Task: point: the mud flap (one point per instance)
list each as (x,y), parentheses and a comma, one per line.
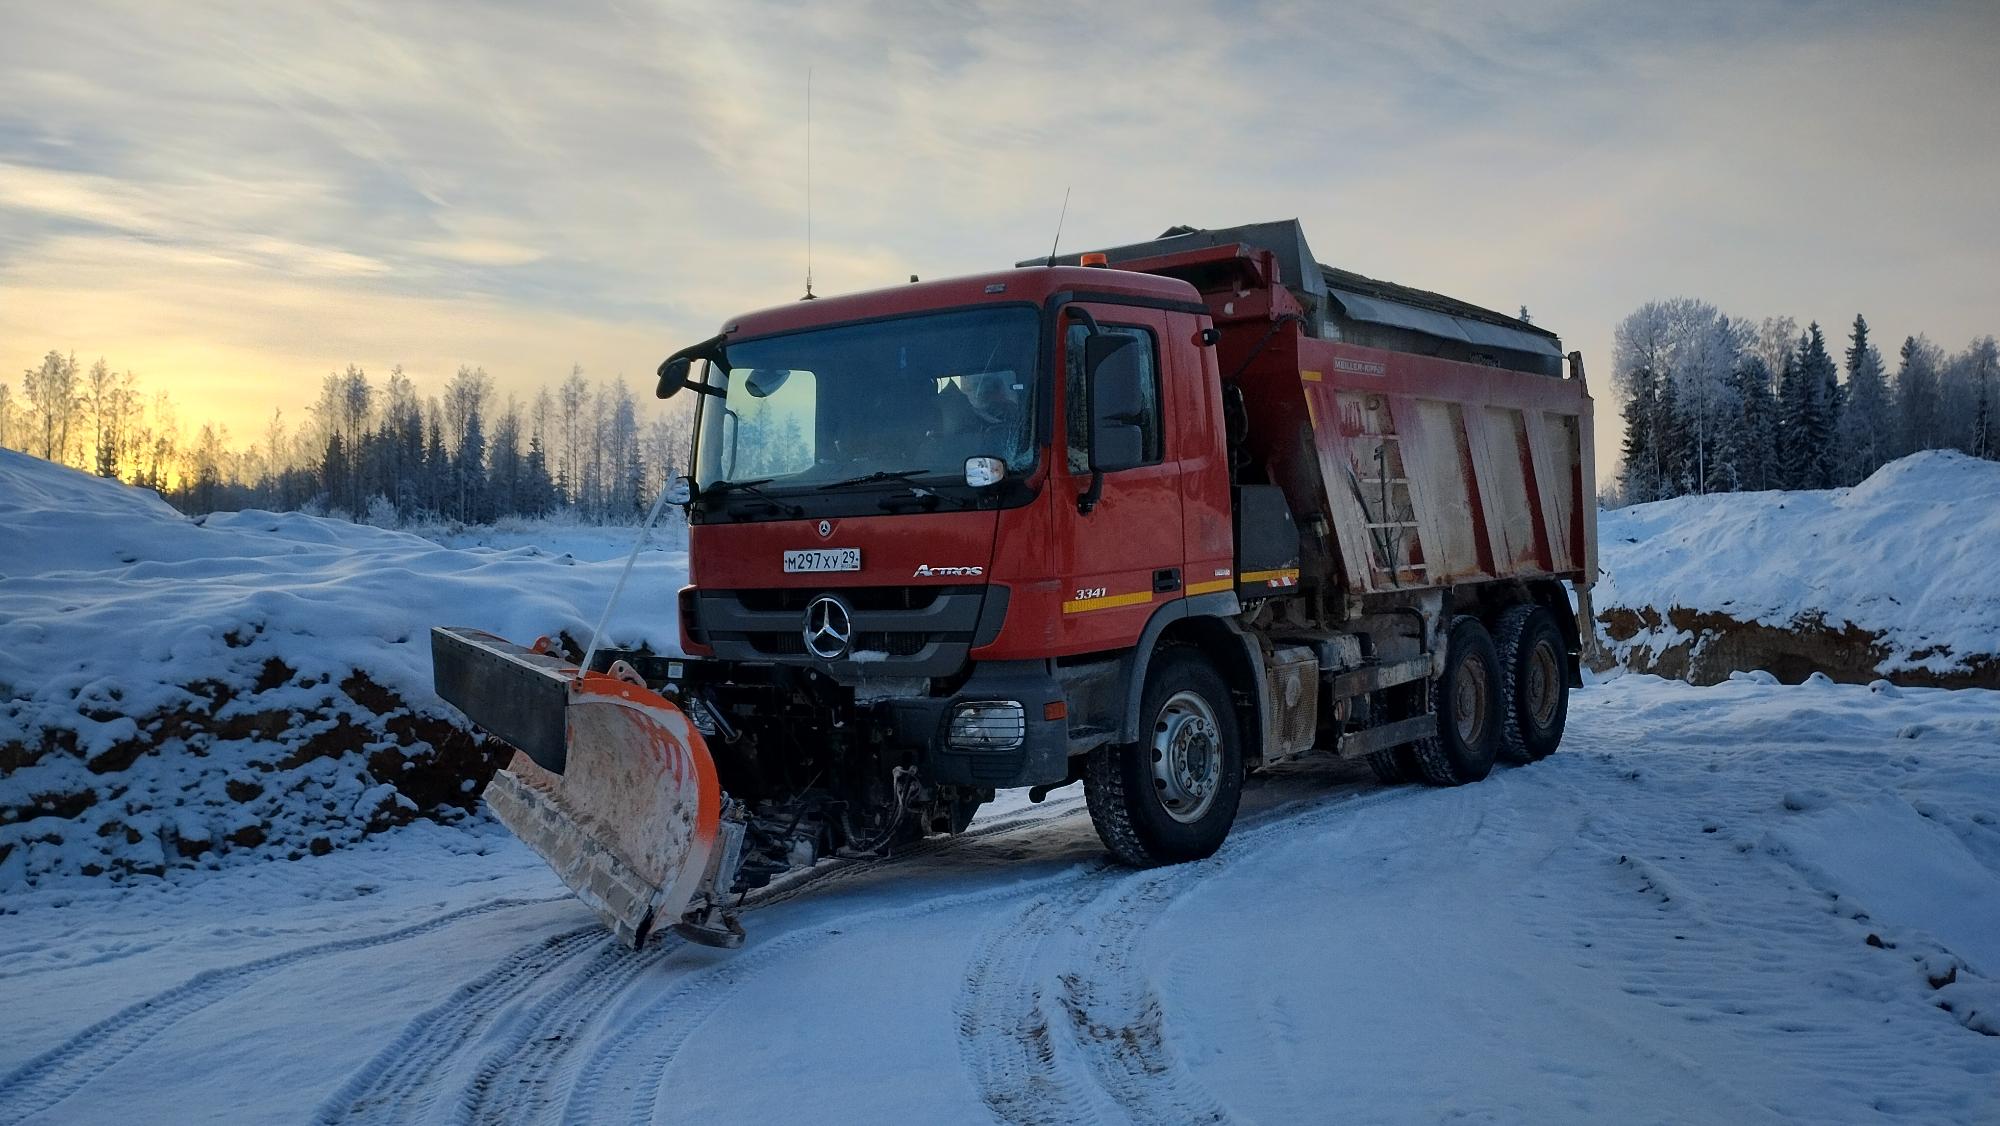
(625,806)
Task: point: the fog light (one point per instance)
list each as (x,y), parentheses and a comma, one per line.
(987,725)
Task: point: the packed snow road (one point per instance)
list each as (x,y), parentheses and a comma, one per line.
(1746,903)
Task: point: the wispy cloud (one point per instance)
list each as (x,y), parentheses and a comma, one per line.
(237,198)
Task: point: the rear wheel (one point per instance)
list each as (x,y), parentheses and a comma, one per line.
(1534,682)
(1398,765)
(1172,796)
(1469,710)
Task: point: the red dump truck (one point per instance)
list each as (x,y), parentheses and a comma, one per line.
(1148,517)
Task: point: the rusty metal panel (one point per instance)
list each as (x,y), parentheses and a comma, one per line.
(1507,485)
(1437,486)
(1435,472)
(1551,458)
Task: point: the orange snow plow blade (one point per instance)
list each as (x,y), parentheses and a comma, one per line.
(610,783)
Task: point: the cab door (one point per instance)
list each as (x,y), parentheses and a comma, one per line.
(1125,555)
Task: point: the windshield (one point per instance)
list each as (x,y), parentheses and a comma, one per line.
(907,398)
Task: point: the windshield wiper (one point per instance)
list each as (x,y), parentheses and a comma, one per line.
(884,475)
(720,488)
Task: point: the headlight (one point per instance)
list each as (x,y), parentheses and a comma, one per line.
(987,725)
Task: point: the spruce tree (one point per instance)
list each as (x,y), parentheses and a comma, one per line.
(1862,437)
(333,470)
(1916,396)
(1752,441)
(437,466)
(1794,411)
(1639,477)
(1673,441)
(1821,390)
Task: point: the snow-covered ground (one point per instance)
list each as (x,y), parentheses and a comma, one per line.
(206,691)
(1744,903)
(1893,577)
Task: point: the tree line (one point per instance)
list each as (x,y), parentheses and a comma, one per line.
(380,452)
(1718,404)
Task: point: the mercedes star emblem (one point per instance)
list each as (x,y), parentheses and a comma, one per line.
(829,626)
(825,528)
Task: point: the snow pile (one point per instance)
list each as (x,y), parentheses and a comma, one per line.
(1890,578)
(175,690)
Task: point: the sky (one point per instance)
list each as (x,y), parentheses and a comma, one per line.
(233,200)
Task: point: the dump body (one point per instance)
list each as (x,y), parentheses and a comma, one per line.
(1428,472)
(1421,442)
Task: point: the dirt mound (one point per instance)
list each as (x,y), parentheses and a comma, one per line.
(288,767)
(1891,579)
(1705,646)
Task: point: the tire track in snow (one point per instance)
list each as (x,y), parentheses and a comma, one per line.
(515,1082)
(668,1022)
(402,1080)
(56,1074)
(1113,1017)
(530,1078)
(1006,1040)
(637,1059)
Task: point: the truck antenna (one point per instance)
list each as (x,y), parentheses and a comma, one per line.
(809,186)
(1057,241)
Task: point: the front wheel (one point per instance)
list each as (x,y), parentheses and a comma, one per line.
(1170,797)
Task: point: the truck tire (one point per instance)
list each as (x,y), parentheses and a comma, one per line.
(1533,683)
(1171,797)
(1398,765)
(1393,767)
(1469,709)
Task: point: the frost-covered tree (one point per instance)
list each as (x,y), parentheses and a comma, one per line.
(51,393)
(572,434)
(1678,358)
(1985,369)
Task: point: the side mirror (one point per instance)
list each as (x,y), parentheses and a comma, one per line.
(762,383)
(680,490)
(673,376)
(1115,377)
(983,471)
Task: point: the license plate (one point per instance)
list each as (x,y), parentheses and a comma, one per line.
(824,559)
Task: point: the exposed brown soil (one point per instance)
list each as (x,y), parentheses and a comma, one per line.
(1720,645)
(379,739)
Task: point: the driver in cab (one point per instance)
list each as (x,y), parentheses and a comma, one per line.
(982,416)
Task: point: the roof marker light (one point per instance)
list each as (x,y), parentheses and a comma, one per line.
(1094,258)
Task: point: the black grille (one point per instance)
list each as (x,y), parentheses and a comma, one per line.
(793,644)
(859,598)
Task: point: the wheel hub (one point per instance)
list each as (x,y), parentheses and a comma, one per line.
(1469,701)
(1187,756)
(1540,688)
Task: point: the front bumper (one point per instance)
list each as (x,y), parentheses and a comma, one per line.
(1040,758)
(911,721)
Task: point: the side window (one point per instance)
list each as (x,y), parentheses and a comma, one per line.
(1076,402)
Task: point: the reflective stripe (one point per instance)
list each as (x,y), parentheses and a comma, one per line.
(1309,376)
(1107,601)
(1288,576)
(1210,587)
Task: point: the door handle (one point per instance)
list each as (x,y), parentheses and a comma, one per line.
(1166,580)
